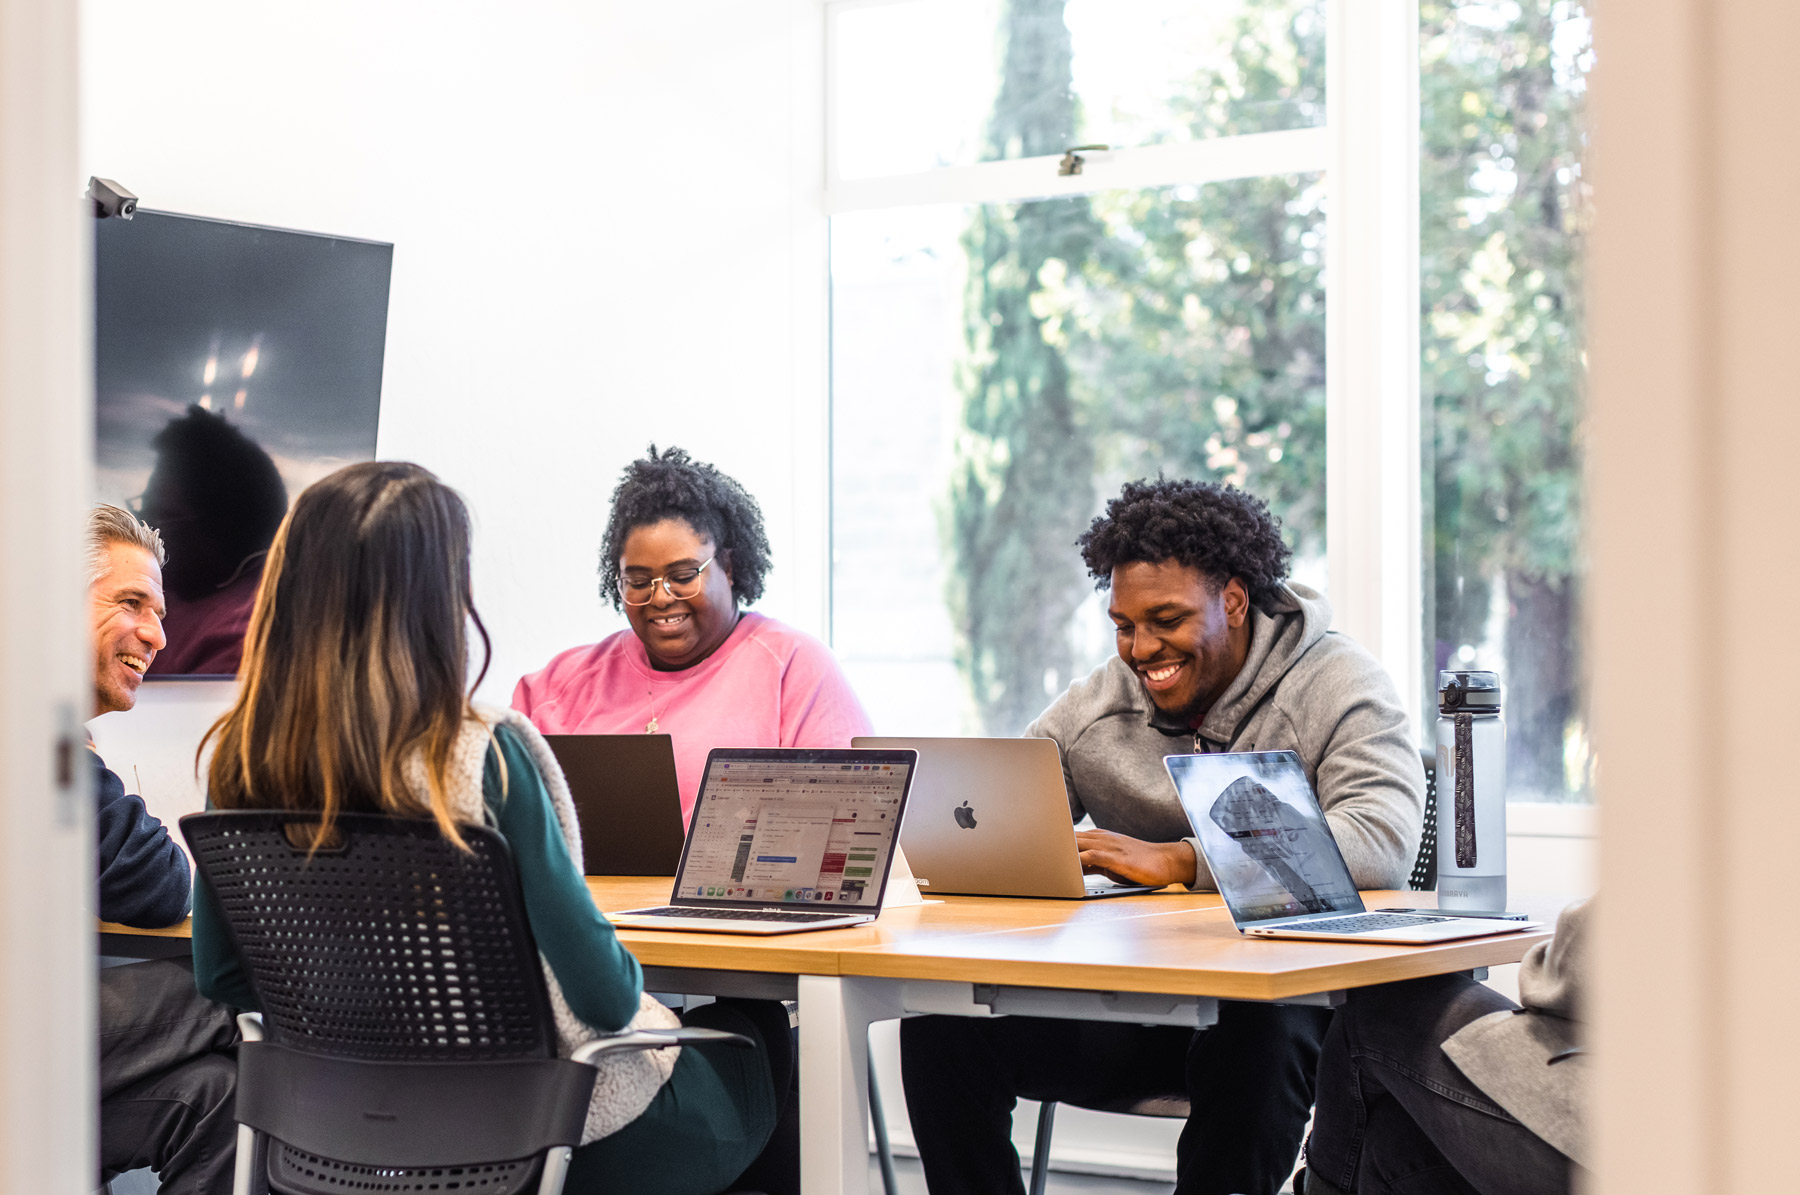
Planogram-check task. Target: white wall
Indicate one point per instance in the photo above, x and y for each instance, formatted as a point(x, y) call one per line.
point(606, 233)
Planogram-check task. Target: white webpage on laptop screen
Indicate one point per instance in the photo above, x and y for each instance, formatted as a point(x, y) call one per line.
point(809, 832)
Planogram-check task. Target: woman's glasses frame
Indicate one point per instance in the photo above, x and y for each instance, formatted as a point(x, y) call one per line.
point(679, 587)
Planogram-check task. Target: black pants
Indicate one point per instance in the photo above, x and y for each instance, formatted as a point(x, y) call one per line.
point(168, 1072)
point(1396, 1117)
point(1249, 1080)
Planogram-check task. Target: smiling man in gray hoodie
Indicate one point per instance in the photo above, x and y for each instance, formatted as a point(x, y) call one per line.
point(1217, 652)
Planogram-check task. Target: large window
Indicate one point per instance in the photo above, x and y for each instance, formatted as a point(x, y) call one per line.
point(1010, 343)
point(1002, 365)
point(1504, 207)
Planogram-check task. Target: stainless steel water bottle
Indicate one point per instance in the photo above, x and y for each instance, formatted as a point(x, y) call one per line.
point(1471, 785)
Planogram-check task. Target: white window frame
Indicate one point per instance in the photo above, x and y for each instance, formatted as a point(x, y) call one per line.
point(1368, 154)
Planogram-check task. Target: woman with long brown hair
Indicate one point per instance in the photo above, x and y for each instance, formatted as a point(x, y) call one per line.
point(353, 698)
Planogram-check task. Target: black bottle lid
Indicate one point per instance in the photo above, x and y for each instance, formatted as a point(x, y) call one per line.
point(1469, 692)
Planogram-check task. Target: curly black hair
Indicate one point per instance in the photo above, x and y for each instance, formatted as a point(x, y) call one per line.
point(1218, 529)
point(672, 485)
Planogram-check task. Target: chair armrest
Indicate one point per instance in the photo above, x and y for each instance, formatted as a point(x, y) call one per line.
point(247, 1170)
point(655, 1039)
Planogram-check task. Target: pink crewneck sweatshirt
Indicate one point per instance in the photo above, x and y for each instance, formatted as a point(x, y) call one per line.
point(768, 685)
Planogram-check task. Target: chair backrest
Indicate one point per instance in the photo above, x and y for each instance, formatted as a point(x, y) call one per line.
point(389, 945)
point(1424, 873)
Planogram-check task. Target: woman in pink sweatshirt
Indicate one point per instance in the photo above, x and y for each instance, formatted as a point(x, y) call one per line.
point(684, 551)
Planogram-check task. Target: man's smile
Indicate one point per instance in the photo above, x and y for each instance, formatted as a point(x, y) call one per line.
point(1161, 676)
point(137, 664)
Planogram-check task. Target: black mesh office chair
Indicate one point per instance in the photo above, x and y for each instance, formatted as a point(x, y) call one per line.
point(1424, 873)
point(406, 1042)
point(1174, 1105)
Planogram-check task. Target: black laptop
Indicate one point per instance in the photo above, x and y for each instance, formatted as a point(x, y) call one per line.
point(626, 800)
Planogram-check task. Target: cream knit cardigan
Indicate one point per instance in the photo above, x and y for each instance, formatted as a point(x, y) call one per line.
point(627, 1082)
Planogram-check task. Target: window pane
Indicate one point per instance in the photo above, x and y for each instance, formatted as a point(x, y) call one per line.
point(1000, 370)
point(1504, 206)
point(928, 83)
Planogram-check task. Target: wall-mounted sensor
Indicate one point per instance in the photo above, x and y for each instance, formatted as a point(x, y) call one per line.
point(110, 199)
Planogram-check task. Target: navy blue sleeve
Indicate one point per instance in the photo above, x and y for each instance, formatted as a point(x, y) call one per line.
point(143, 874)
point(600, 978)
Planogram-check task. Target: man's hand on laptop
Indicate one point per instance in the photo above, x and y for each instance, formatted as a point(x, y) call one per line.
point(1133, 861)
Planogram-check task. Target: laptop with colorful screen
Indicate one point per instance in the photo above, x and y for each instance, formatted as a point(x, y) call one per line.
point(786, 839)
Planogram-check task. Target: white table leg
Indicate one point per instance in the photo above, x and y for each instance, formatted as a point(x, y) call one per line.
point(835, 1013)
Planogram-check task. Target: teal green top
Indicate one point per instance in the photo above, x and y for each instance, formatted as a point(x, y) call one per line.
point(600, 978)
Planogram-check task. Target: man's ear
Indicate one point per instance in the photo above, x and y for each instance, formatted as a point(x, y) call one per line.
point(1237, 603)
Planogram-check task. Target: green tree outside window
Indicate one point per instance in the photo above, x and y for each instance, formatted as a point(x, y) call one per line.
point(1182, 329)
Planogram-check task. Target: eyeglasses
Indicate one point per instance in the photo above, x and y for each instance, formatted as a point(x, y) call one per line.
point(679, 583)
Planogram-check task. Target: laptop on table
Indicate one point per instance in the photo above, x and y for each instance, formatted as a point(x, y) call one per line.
point(786, 839)
point(990, 817)
point(1278, 867)
point(627, 801)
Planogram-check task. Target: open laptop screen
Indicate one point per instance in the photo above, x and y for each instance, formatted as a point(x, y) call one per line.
point(811, 828)
point(1264, 835)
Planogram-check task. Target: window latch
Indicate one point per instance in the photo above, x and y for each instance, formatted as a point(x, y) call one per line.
point(1072, 161)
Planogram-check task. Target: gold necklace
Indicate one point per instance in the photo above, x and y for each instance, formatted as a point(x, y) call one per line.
point(650, 726)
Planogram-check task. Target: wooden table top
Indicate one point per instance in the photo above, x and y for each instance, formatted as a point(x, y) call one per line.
point(1171, 941)
point(817, 952)
point(1188, 946)
point(183, 929)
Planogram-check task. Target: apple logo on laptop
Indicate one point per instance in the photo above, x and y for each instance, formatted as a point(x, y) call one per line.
point(965, 817)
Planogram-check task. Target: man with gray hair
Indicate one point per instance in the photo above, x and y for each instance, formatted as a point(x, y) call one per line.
point(125, 592)
point(167, 1064)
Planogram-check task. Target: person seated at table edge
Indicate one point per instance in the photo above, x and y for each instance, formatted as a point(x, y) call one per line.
point(144, 879)
point(1443, 1084)
point(167, 1072)
point(356, 655)
point(1217, 651)
point(684, 550)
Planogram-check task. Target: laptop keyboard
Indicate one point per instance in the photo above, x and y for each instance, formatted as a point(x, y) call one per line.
point(737, 914)
point(1362, 923)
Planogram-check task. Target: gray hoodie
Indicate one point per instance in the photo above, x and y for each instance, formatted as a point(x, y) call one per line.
point(1303, 688)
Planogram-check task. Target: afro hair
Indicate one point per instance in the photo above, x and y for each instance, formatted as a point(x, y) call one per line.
point(672, 485)
point(1218, 529)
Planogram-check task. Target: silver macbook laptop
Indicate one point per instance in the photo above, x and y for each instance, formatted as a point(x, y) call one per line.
point(990, 817)
point(1276, 863)
point(784, 840)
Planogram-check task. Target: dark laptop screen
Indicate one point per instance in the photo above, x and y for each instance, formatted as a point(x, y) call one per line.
point(807, 828)
point(1263, 833)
